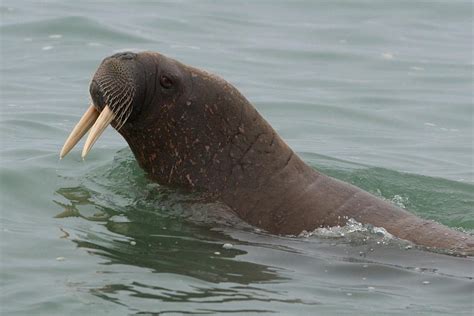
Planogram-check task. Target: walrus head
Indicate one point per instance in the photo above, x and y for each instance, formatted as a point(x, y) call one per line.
point(186, 127)
point(124, 88)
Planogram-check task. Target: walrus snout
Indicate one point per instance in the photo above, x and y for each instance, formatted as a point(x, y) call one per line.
point(113, 83)
point(113, 90)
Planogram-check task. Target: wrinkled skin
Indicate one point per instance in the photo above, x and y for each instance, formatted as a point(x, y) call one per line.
point(191, 129)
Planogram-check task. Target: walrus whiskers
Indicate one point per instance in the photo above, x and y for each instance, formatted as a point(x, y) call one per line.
point(118, 108)
point(119, 91)
point(122, 107)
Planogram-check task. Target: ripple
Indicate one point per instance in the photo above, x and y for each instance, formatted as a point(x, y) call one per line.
point(319, 74)
point(78, 27)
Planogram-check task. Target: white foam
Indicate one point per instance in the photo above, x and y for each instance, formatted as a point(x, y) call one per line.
point(399, 200)
point(352, 227)
point(227, 246)
point(119, 219)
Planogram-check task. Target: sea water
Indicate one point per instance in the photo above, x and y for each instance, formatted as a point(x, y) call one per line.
point(376, 93)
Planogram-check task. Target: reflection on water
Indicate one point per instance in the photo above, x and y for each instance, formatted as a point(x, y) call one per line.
point(163, 244)
point(165, 233)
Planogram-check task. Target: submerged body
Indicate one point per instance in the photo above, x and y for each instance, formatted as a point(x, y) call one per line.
point(192, 129)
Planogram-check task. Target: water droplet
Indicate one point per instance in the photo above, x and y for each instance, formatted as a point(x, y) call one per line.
point(217, 253)
point(227, 246)
point(426, 282)
point(133, 243)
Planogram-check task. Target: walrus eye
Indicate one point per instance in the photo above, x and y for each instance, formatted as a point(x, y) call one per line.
point(166, 82)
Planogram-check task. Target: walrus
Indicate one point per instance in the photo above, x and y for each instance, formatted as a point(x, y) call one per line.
point(191, 129)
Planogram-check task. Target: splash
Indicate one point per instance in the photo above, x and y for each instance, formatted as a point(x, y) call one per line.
point(353, 231)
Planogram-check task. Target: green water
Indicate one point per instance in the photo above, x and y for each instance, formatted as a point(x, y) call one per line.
point(377, 93)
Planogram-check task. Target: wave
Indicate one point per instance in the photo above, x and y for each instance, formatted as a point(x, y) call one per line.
point(71, 27)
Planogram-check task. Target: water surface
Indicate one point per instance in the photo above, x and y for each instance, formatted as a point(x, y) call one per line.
point(375, 93)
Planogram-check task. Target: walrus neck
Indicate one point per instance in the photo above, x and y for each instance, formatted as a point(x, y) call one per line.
point(220, 145)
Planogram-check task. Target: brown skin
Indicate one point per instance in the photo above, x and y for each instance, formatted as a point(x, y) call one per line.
point(192, 129)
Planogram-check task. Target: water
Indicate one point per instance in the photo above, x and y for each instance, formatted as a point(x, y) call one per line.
point(376, 93)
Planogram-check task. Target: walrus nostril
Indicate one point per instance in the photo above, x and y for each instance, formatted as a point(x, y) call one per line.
point(124, 56)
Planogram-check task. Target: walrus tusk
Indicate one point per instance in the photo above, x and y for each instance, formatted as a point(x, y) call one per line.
point(85, 123)
point(105, 117)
